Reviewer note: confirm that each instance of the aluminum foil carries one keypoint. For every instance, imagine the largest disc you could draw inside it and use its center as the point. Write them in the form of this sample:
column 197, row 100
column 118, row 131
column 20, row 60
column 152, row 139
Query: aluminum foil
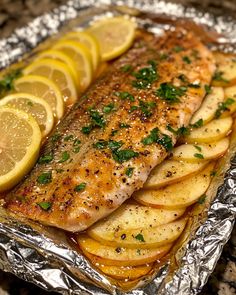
column 43, row 255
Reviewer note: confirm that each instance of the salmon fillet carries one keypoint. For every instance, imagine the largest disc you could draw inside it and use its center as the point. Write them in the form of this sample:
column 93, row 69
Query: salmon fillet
column 106, row 146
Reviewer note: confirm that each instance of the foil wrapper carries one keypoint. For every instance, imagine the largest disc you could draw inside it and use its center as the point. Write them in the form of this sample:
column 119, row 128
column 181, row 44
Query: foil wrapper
column 43, row 255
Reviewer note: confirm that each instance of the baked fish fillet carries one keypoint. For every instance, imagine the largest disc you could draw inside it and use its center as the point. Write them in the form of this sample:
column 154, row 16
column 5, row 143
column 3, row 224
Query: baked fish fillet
column 106, row 146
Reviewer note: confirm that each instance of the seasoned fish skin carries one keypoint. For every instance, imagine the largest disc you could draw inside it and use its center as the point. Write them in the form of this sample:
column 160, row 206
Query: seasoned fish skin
column 90, row 175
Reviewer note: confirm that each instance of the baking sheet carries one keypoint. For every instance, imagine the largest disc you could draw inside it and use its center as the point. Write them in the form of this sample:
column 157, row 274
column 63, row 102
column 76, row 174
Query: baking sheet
column 42, row 255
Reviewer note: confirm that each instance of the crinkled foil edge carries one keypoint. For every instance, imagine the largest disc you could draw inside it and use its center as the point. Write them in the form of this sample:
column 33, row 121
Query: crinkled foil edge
column 43, row 256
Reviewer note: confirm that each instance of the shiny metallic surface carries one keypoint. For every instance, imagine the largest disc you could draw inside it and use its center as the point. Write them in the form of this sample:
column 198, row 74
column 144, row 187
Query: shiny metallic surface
column 43, row 255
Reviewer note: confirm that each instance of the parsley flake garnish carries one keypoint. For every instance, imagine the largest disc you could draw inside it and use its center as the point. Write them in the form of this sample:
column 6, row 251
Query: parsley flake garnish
column 223, row 107
column 218, row 76
column 108, row 108
column 198, row 148
column 208, row 89
column 80, row 187
column 197, row 124
column 45, row 205
column 140, row 238
column 126, row 68
column 64, row 157
column 170, row 93
column 124, row 125
column 124, row 95
column 68, row 137
column 213, row 173
column 199, row 156
column 129, row 171
column 97, row 118
column 122, row 156
column 6, row 84
column 86, row 129
column 178, row 49
column 145, row 76
column 187, row 60
column 156, row 137
column 45, row 177
column 55, row 137
column 182, row 131
column 45, row 159
column 202, row 199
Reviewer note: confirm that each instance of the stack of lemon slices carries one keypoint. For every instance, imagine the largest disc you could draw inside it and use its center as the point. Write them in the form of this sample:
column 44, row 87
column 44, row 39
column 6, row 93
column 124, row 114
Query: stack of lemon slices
column 49, row 84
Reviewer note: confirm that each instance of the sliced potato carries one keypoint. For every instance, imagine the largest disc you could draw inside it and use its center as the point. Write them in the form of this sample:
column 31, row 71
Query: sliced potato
column 178, row 195
column 209, row 106
column 171, row 171
column 194, row 153
column 109, row 255
column 145, row 238
column 130, row 216
column 230, row 93
column 213, row 131
column 125, row 272
column 226, row 67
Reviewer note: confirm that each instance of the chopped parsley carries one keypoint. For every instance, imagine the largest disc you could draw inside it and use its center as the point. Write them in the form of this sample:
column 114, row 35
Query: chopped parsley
column 183, row 78
column 80, row 187
column 55, row 137
column 202, row 199
column 86, row 129
column 6, row 84
column 208, row 89
column 126, row 68
column 170, row 93
column 197, row 124
column 76, row 144
column 156, row 137
column 122, row 156
column 45, row 159
column 45, row 177
column 96, row 118
column 64, row 157
column 133, row 108
column 124, row 95
column 124, row 125
column 199, row 156
column 114, row 145
column 140, row 238
column 114, row 132
column 223, row 106
column 218, row 76
column 164, row 56
column 69, row 137
column 101, row 144
column 145, row 76
column 178, row 49
column 182, row 131
column 45, row 205
column 198, row 148
column 129, row 171
column 146, row 107
column 186, row 59
column 213, row 173
column 30, row 104
column 108, row 108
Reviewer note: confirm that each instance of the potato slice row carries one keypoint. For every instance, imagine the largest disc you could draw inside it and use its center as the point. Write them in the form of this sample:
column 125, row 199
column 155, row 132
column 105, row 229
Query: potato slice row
column 124, row 244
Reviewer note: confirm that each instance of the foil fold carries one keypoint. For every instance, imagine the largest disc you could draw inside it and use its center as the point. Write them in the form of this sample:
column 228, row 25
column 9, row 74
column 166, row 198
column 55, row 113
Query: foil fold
column 43, row 255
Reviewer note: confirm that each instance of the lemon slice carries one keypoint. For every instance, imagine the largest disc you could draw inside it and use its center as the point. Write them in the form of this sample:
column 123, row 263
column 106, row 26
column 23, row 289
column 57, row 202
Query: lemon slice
column 89, row 41
column 19, row 145
column 115, row 35
column 44, row 88
column 35, row 106
column 58, row 55
column 81, row 57
column 59, row 73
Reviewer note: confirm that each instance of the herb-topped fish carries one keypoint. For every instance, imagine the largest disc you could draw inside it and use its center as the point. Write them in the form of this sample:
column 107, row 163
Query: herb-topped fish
column 125, row 125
